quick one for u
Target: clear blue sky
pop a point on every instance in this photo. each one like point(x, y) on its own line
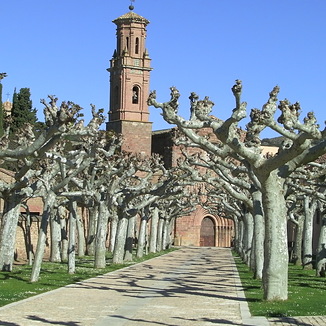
point(63, 47)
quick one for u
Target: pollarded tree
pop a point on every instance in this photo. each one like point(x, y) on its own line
point(304, 143)
point(59, 171)
point(29, 150)
point(309, 183)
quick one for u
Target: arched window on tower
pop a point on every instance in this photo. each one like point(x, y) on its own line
point(135, 95)
point(127, 43)
point(137, 46)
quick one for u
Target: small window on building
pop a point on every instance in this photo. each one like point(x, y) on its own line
point(127, 43)
point(135, 95)
point(137, 46)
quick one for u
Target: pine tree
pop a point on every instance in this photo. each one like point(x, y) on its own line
point(22, 111)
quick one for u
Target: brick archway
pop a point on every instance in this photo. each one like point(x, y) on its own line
point(207, 232)
point(224, 232)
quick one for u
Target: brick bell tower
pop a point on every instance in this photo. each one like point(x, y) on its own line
point(129, 84)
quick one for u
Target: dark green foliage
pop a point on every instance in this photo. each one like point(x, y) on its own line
point(22, 111)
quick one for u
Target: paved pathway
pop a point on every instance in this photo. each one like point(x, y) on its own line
point(191, 286)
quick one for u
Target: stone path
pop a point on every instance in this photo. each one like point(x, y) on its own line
point(191, 286)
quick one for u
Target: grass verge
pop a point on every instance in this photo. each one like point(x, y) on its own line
point(307, 293)
point(15, 285)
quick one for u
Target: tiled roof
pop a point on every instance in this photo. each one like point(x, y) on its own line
point(131, 17)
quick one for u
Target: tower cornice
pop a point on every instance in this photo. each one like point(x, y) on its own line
point(131, 17)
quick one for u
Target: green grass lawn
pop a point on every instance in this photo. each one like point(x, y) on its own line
point(307, 294)
point(15, 285)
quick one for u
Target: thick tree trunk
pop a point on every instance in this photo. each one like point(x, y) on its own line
point(236, 240)
point(92, 226)
point(239, 234)
point(259, 236)
point(309, 208)
point(166, 241)
point(8, 232)
point(101, 232)
point(120, 241)
point(247, 237)
point(64, 237)
point(142, 236)
point(72, 237)
point(81, 243)
point(153, 233)
point(130, 238)
point(275, 273)
point(297, 250)
point(159, 241)
point(113, 230)
point(48, 208)
point(55, 231)
point(321, 250)
point(28, 240)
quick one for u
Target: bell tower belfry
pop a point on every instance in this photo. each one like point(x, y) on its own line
point(129, 84)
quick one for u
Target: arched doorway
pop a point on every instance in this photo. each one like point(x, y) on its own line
point(207, 233)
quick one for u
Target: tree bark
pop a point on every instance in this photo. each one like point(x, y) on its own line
point(142, 236)
point(55, 231)
point(29, 245)
point(309, 209)
point(297, 250)
point(275, 273)
point(92, 226)
point(39, 253)
point(159, 241)
point(153, 232)
point(239, 235)
point(81, 243)
point(64, 237)
point(72, 237)
point(101, 232)
point(166, 241)
point(259, 235)
point(321, 250)
point(120, 241)
point(8, 231)
point(113, 230)
point(247, 237)
point(130, 238)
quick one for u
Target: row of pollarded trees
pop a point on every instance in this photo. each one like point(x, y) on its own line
point(70, 166)
point(259, 182)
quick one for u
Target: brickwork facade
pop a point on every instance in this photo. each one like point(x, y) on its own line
point(129, 85)
point(136, 135)
point(190, 230)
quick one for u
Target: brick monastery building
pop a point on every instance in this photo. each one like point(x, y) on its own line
point(129, 71)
